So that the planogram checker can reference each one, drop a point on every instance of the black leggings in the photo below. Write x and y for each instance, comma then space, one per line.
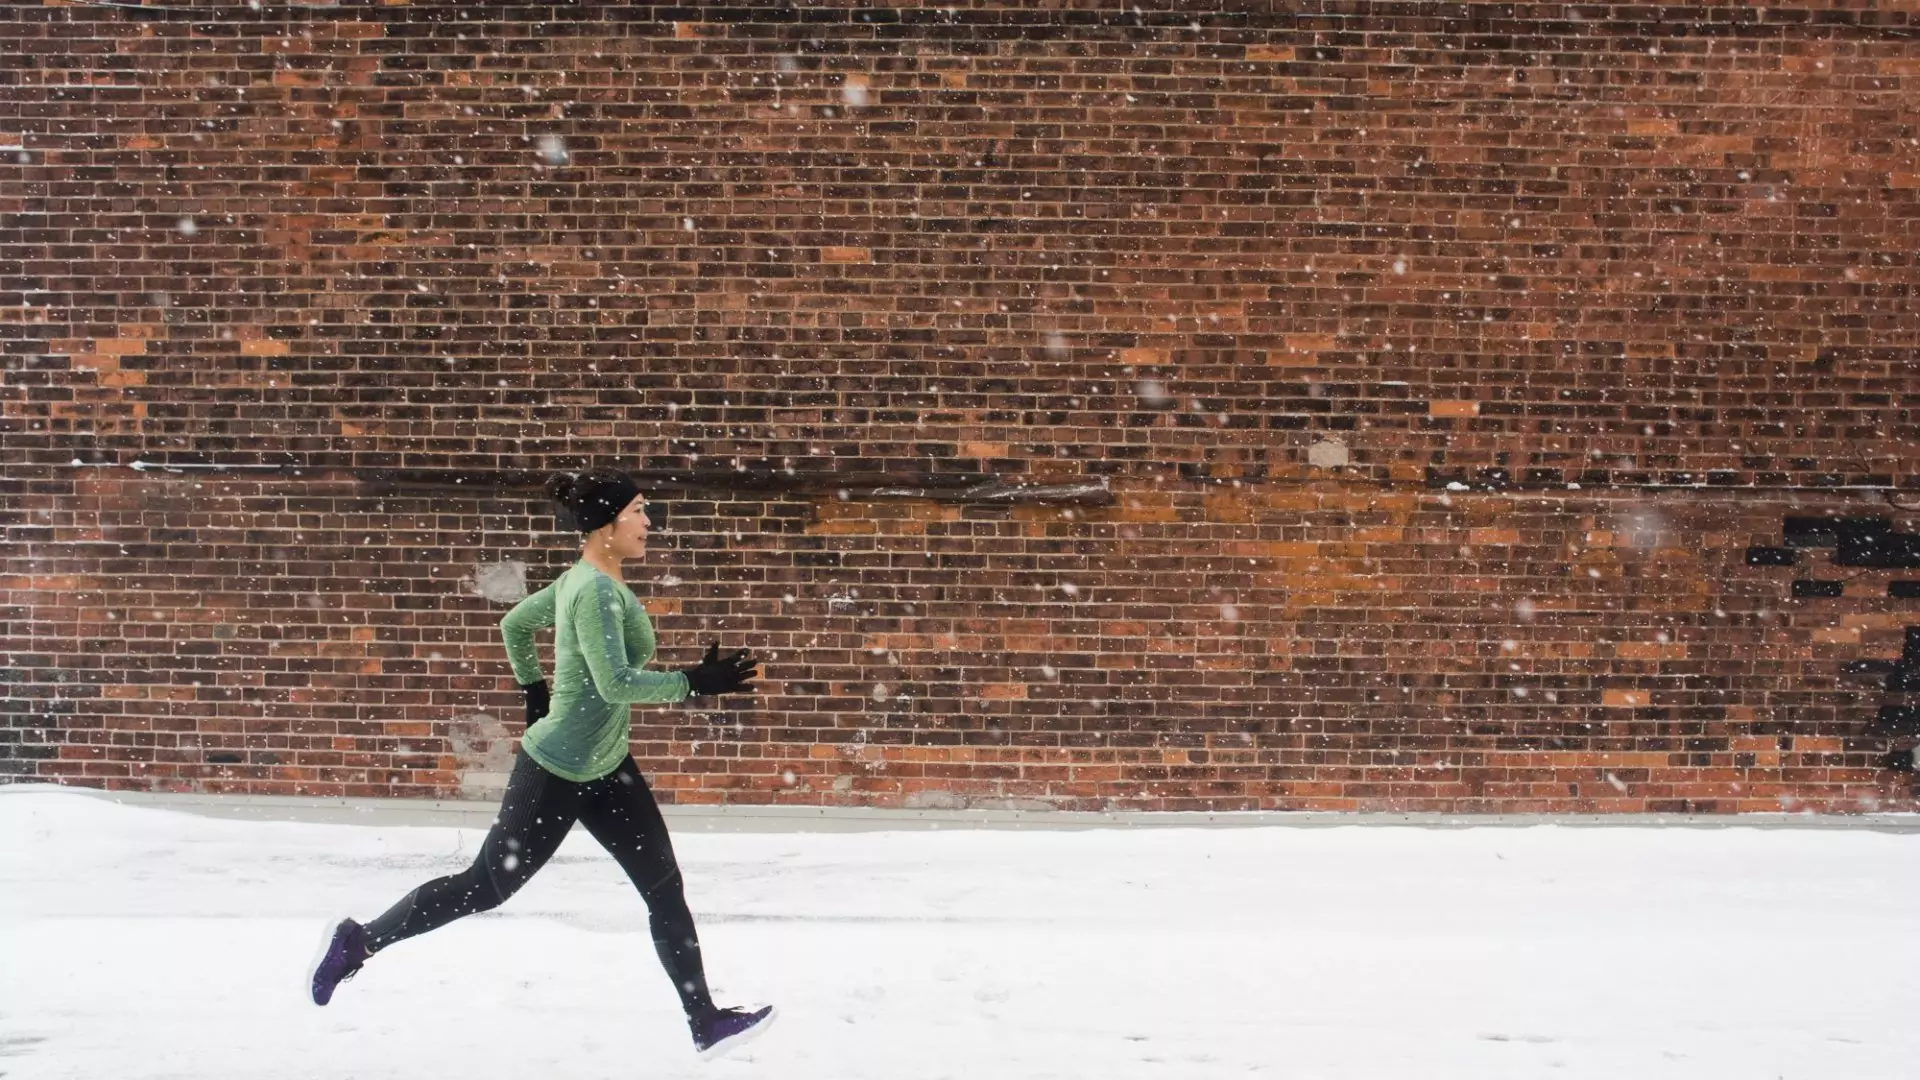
539, 808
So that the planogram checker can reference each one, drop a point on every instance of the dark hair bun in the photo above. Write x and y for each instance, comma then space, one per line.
560, 489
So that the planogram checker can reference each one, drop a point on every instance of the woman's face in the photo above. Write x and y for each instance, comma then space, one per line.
627, 534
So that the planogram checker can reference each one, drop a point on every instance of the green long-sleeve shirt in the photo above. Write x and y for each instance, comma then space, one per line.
602, 637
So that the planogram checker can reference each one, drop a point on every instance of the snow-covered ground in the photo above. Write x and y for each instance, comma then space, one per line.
139, 942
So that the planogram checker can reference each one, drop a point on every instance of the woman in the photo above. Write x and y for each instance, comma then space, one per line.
575, 763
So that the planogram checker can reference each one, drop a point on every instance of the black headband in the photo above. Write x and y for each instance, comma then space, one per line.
597, 498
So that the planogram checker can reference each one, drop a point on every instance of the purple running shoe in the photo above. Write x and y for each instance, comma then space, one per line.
341, 954
723, 1030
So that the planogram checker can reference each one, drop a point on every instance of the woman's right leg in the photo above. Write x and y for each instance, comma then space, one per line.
534, 817
620, 812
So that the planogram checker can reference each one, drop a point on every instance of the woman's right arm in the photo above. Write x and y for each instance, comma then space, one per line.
518, 627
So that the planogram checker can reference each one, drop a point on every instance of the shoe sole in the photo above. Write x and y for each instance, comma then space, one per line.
313, 966
732, 1043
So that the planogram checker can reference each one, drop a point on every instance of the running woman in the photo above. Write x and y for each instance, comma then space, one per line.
574, 762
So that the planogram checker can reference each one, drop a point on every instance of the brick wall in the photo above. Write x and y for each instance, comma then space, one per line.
1215, 405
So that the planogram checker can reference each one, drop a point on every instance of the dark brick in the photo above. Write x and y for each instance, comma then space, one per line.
1494, 522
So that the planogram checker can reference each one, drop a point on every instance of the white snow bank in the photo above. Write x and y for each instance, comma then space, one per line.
139, 943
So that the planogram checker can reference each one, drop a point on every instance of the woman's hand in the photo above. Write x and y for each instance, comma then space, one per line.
717, 675
537, 700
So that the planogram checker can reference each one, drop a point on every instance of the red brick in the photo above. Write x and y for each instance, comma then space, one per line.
1474, 305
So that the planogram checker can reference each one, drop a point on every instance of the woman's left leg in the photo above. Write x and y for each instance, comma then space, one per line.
619, 811
534, 817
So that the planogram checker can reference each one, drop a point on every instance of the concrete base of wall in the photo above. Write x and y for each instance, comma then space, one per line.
765, 819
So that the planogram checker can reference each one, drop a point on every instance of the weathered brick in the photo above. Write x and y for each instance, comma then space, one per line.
1009, 363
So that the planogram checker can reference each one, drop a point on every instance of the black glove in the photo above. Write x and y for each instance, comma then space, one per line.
713, 675
537, 700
